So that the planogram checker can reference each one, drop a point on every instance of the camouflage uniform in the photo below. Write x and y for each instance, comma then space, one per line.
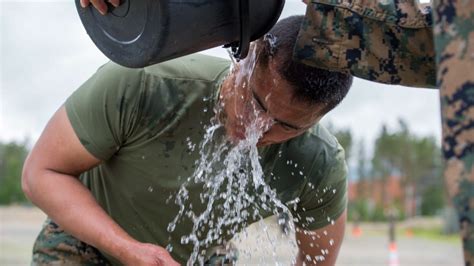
372, 40
392, 42
53, 246
454, 39
56, 247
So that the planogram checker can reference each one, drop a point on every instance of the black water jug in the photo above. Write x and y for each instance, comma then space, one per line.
139, 33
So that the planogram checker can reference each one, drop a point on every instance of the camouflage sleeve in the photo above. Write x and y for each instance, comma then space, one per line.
383, 41
454, 41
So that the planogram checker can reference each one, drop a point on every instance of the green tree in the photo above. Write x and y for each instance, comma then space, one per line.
384, 159
428, 176
416, 159
12, 156
363, 172
432, 200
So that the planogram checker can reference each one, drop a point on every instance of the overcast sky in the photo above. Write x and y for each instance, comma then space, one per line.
46, 54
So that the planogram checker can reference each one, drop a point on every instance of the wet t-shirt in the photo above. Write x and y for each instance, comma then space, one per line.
146, 124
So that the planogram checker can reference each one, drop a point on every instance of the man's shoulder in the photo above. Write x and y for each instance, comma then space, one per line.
191, 67
317, 152
316, 142
195, 67
314, 157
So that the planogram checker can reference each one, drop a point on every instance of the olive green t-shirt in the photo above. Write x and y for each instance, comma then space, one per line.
145, 124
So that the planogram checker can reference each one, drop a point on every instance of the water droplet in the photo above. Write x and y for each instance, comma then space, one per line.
171, 227
319, 258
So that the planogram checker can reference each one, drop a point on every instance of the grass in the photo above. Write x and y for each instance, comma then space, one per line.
429, 231
435, 234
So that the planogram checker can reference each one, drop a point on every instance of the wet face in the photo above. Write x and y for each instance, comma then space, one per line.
255, 93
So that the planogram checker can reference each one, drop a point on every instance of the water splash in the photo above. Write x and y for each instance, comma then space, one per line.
234, 192
230, 175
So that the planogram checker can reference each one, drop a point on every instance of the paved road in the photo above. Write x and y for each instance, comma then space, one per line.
19, 226
369, 249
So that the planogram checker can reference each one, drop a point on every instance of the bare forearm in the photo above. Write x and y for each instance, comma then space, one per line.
320, 247
49, 180
65, 199
319, 260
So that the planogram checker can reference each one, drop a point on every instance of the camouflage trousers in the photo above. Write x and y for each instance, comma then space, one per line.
53, 246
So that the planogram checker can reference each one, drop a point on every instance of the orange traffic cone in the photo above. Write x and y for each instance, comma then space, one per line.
356, 231
393, 255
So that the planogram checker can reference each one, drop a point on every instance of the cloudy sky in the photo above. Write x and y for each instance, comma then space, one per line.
45, 54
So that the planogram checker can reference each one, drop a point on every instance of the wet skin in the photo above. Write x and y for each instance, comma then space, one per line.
256, 91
